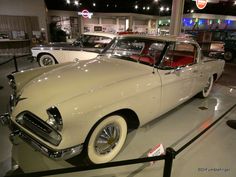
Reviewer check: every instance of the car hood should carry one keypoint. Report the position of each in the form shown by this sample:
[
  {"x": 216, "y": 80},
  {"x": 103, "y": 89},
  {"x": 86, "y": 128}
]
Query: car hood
[{"x": 67, "y": 82}]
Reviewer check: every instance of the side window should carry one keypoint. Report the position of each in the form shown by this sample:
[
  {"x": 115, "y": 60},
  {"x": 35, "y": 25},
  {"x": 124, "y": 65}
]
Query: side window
[
  {"x": 101, "y": 42},
  {"x": 128, "y": 47},
  {"x": 155, "y": 50},
  {"x": 179, "y": 55},
  {"x": 150, "y": 53},
  {"x": 91, "y": 41}
]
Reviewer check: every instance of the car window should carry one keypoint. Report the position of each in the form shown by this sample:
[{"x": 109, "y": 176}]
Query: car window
[
  {"x": 179, "y": 55},
  {"x": 145, "y": 51},
  {"x": 155, "y": 50},
  {"x": 127, "y": 47},
  {"x": 92, "y": 41}
]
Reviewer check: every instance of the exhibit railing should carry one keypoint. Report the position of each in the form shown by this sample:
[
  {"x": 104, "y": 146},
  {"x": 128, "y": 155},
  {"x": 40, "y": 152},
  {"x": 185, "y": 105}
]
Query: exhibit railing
[
  {"x": 14, "y": 59},
  {"x": 168, "y": 157}
]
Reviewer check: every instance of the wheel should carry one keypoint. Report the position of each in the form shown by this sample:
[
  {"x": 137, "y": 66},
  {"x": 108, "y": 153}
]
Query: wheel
[
  {"x": 228, "y": 55},
  {"x": 107, "y": 139},
  {"x": 46, "y": 60},
  {"x": 207, "y": 89}
]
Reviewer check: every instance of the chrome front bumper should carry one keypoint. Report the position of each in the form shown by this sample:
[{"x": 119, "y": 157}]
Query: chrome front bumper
[
  {"x": 47, "y": 151},
  {"x": 53, "y": 154}
]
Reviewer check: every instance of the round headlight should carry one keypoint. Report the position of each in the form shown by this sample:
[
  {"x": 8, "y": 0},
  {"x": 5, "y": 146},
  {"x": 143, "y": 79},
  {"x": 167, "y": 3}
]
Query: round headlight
[
  {"x": 52, "y": 122},
  {"x": 54, "y": 118}
]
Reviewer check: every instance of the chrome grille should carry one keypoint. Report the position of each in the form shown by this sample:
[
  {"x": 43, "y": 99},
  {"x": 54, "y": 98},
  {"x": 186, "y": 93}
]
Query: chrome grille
[
  {"x": 38, "y": 127},
  {"x": 32, "y": 123}
]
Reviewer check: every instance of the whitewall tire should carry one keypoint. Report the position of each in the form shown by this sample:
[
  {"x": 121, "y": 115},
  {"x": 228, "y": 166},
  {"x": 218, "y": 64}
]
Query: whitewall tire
[
  {"x": 207, "y": 89},
  {"x": 107, "y": 139},
  {"x": 46, "y": 60}
]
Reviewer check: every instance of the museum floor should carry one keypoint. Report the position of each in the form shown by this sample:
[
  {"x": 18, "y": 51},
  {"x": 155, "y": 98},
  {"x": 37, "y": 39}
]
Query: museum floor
[{"x": 212, "y": 155}]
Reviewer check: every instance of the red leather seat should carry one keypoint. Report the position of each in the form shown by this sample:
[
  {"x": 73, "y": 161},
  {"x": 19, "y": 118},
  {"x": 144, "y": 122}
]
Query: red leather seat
[
  {"x": 182, "y": 61},
  {"x": 146, "y": 59}
]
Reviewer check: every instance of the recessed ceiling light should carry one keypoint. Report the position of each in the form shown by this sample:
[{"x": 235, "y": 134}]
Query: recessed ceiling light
[{"x": 76, "y": 3}]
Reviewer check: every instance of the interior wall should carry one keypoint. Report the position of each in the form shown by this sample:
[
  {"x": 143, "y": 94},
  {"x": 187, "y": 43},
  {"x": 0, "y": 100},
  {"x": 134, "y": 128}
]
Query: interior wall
[
  {"x": 26, "y": 8},
  {"x": 19, "y": 23}
]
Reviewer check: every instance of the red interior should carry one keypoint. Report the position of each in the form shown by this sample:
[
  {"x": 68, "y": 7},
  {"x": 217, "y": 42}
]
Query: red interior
[
  {"x": 145, "y": 59},
  {"x": 180, "y": 59}
]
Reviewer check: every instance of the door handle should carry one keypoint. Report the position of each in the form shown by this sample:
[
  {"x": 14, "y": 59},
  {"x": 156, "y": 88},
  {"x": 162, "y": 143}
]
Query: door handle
[
  {"x": 176, "y": 70},
  {"x": 168, "y": 73}
]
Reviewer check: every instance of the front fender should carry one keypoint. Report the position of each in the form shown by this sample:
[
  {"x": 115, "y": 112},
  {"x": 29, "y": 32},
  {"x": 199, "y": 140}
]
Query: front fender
[{"x": 81, "y": 113}]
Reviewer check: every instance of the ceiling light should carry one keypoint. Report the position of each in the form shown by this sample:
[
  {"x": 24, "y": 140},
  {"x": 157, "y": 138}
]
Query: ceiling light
[
  {"x": 192, "y": 11},
  {"x": 167, "y": 9},
  {"x": 144, "y": 8},
  {"x": 136, "y": 6},
  {"x": 76, "y": 3},
  {"x": 161, "y": 8},
  {"x": 148, "y": 8},
  {"x": 94, "y": 4},
  {"x": 155, "y": 0},
  {"x": 68, "y": 1}
]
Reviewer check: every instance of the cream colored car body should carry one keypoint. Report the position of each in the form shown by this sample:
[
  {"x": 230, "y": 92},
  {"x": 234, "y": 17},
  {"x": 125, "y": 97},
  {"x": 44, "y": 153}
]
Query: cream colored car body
[{"x": 86, "y": 91}]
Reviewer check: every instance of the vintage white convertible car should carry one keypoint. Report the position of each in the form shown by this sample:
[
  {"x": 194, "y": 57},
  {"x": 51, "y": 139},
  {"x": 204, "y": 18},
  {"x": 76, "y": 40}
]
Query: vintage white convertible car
[
  {"x": 86, "y": 47},
  {"x": 88, "y": 106}
]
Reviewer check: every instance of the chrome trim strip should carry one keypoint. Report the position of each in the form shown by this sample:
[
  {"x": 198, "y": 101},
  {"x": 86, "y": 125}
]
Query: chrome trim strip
[{"x": 95, "y": 50}]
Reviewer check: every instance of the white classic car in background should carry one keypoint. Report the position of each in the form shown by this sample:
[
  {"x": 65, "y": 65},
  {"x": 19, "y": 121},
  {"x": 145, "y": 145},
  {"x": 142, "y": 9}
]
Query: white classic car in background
[
  {"x": 88, "y": 106},
  {"x": 86, "y": 47}
]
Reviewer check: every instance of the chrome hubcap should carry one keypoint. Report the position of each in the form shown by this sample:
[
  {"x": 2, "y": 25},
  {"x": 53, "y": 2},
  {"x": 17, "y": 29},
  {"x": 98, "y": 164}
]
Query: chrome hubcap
[
  {"x": 228, "y": 55},
  {"x": 47, "y": 61},
  {"x": 107, "y": 139}
]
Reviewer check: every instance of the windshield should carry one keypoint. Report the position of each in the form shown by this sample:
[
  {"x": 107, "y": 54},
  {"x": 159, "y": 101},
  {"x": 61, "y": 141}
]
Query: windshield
[
  {"x": 143, "y": 50},
  {"x": 92, "y": 41}
]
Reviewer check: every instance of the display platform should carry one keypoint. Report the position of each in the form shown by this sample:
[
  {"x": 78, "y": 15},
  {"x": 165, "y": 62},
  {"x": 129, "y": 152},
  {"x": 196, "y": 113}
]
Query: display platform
[{"x": 211, "y": 155}]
